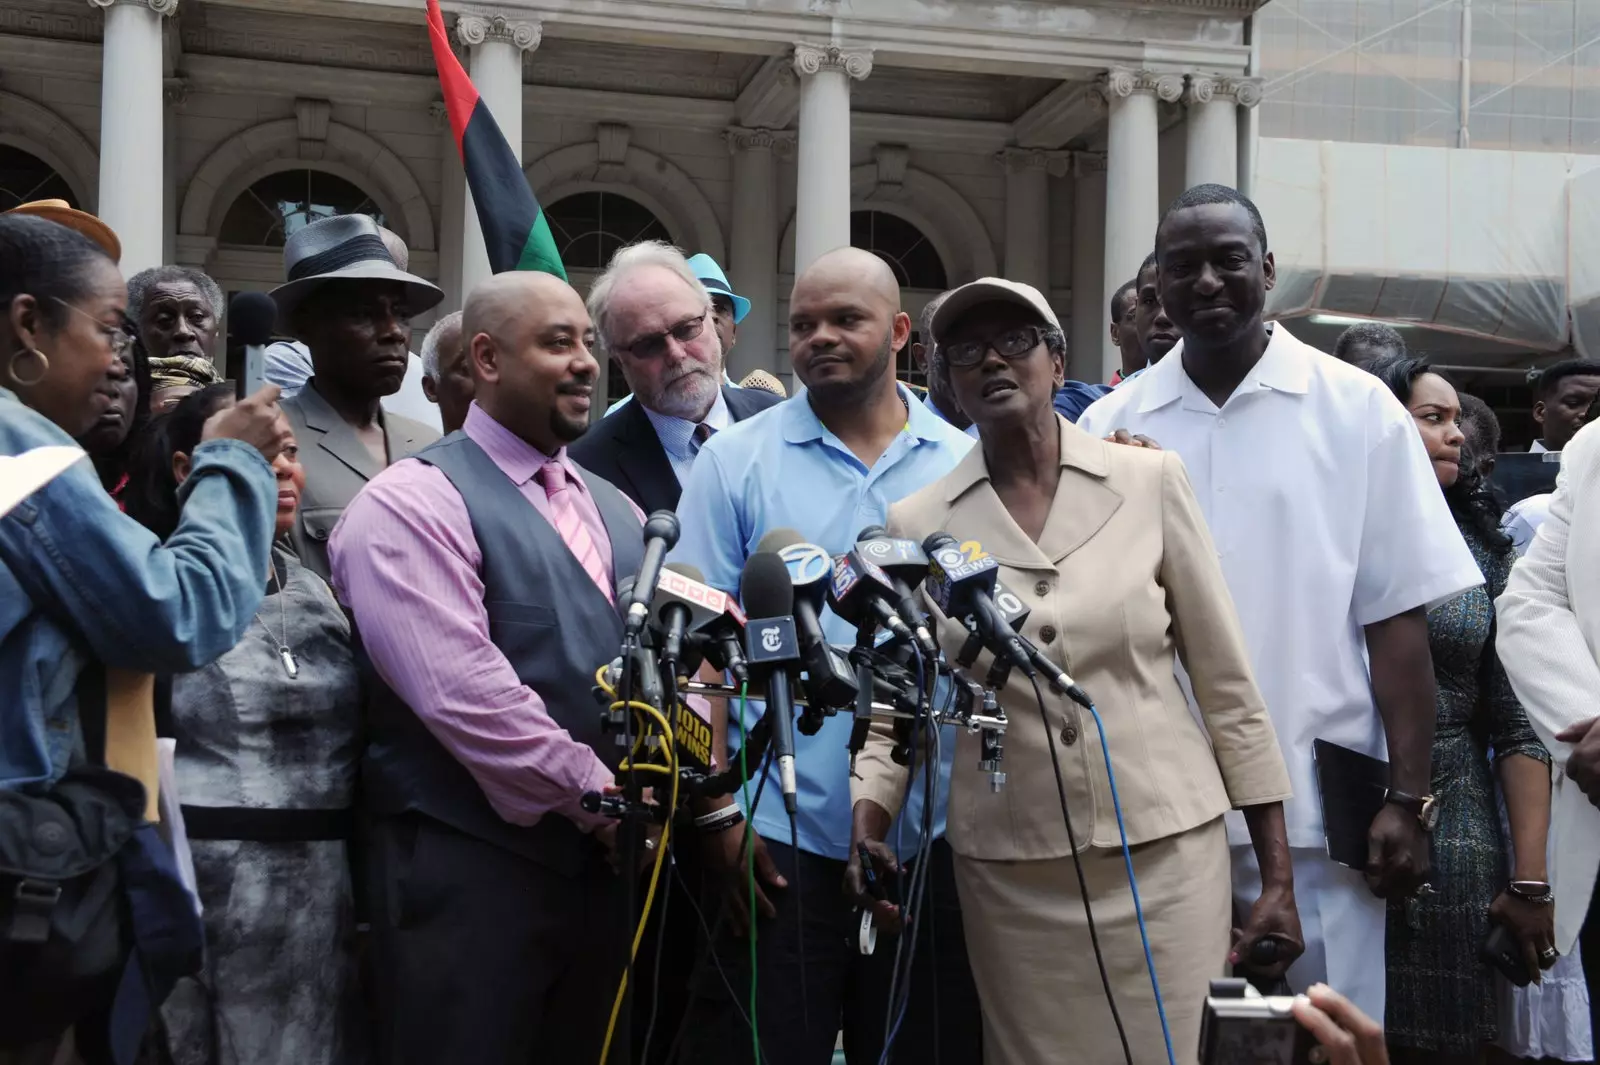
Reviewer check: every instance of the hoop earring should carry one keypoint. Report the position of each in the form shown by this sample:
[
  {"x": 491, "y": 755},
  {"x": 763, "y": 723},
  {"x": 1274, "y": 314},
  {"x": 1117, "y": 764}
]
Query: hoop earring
[{"x": 11, "y": 368}]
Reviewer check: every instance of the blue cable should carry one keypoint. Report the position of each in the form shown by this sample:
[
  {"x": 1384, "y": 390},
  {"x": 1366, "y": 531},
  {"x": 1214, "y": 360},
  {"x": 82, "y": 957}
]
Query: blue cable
[{"x": 1133, "y": 884}]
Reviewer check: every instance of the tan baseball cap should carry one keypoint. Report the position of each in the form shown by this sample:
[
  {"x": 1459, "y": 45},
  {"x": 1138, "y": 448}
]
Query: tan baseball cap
[{"x": 990, "y": 290}]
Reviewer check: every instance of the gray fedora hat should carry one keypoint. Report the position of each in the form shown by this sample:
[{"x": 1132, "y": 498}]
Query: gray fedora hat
[{"x": 346, "y": 247}]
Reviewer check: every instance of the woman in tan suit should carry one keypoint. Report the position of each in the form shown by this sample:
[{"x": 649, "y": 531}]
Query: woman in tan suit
[{"x": 1107, "y": 546}]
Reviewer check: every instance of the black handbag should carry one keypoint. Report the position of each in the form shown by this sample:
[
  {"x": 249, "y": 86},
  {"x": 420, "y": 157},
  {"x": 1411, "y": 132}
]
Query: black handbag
[
  {"x": 65, "y": 936},
  {"x": 96, "y": 925}
]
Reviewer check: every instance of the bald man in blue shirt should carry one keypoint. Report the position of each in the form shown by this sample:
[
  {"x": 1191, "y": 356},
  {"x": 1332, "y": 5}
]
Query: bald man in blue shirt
[{"x": 827, "y": 463}]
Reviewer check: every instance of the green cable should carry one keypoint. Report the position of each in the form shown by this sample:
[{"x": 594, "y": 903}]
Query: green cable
[{"x": 750, "y": 859}]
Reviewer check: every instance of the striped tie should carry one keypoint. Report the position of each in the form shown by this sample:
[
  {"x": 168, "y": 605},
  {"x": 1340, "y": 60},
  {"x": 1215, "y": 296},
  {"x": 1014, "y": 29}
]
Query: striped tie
[{"x": 564, "y": 516}]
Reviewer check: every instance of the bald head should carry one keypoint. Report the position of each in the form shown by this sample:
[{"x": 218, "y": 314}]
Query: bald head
[
  {"x": 504, "y": 304},
  {"x": 845, "y": 328},
  {"x": 527, "y": 338},
  {"x": 853, "y": 266}
]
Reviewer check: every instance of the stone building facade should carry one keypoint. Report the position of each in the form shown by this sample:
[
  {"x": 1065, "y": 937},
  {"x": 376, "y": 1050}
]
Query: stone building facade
[{"x": 957, "y": 137}]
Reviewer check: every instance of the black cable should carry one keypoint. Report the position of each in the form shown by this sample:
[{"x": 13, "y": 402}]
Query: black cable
[
  {"x": 900, "y": 980},
  {"x": 716, "y": 962},
  {"x": 669, "y": 678},
  {"x": 799, "y": 926},
  {"x": 655, "y": 977},
  {"x": 1077, "y": 864},
  {"x": 630, "y": 844},
  {"x": 722, "y": 910}
]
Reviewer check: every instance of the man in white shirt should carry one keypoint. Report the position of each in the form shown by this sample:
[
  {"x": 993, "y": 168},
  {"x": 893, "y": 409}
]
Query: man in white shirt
[
  {"x": 1548, "y": 639},
  {"x": 1334, "y": 538}
]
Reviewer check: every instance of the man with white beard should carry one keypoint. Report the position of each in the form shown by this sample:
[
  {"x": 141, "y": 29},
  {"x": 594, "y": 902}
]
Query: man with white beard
[{"x": 655, "y": 318}]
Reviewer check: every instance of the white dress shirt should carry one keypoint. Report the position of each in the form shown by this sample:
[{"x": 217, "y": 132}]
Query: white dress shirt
[
  {"x": 1327, "y": 516},
  {"x": 677, "y": 435}
]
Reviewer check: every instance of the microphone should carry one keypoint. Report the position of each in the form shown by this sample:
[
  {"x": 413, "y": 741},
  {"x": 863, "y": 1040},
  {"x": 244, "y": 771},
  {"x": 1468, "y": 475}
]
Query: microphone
[
  {"x": 1012, "y": 608},
  {"x": 251, "y": 317},
  {"x": 660, "y": 534},
  {"x": 774, "y": 654},
  {"x": 861, "y": 593},
  {"x": 962, "y": 581},
  {"x": 907, "y": 566},
  {"x": 829, "y": 683},
  {"x": 722, "y": 641},
  {"x": 683, "y": 603}
]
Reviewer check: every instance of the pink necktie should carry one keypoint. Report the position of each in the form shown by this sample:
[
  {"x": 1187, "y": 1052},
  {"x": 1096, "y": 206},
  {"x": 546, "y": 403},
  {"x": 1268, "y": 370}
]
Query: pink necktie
[{"x": 564, "y": 516}]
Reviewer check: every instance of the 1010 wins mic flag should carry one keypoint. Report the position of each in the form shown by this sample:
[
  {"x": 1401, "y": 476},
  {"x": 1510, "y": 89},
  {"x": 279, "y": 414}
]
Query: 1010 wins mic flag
[{"x": 515, "y": 231}]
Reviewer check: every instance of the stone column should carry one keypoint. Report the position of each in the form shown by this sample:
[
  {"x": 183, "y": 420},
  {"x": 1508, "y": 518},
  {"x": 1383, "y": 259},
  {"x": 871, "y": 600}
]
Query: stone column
[
  {"x": 753, "y": 252},
  {"x": 1132, "y": 172},
  {"x": 132, "y": 180},
  {"x": 822, "y": 191},
  {"x": 496, "y": 46},
  {"x": 1213, "y": 137},
  {"x": 1028, "y": 173},
  {"x": 1091, "y": 354}
]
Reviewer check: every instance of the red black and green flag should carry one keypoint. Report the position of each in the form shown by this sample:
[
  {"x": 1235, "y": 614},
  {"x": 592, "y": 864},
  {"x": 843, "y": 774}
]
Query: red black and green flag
[{"x": 514, "y": 228}]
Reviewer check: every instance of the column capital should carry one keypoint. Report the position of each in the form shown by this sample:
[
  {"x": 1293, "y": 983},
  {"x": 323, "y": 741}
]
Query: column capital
[
  {"x": 1018, "y": 160},
  {"x": 473, "y": 29},
  {"x": 778, "y": 141},
  {"x": 1204, "y": 88},
  {"x": 1123, "y": 82},
  {"x": 160, "y": 7},
  {"x": 813, "y": 58},
  {"x": 1085, "y": 164}
]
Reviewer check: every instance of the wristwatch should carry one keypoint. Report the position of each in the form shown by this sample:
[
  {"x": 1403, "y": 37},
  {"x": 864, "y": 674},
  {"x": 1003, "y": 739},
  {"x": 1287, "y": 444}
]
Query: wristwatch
[{"x": 1424, "y": 806}]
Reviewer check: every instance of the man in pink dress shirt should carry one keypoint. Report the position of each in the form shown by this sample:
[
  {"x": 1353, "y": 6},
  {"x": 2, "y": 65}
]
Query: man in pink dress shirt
[{"x": 482, "y": 575}]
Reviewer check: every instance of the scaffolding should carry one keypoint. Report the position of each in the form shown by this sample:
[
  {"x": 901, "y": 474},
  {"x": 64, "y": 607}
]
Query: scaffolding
[{"x": 1521, "y": 75}]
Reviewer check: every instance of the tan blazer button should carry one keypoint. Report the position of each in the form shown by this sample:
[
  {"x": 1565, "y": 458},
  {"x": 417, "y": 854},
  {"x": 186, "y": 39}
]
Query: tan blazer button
[
  {"x": 1042, "y": 588},
  {"x": 1069, "y": 735},
  {"x": 1047, "y": 634}
]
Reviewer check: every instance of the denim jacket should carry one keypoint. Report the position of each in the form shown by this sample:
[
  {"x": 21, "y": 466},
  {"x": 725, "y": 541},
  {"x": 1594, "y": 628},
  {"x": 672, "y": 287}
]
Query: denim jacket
[{"x": 81, "y": 582}]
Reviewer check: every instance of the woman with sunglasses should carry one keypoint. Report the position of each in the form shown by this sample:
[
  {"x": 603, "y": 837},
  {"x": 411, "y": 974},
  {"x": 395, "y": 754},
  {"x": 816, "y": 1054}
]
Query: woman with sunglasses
[
  {"x": 1106, "y": 547},
  {"x": 83, "y": 588}
]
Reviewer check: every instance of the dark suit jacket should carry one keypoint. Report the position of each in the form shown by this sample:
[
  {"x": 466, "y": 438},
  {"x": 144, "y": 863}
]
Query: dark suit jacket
[
  {"x": 623, "y": 448},
  {"x": 337, "y": 466}
]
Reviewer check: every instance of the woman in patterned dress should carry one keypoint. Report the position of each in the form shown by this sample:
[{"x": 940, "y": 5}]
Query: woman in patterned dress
[
  {"x": 1441, "y": 1000},
  {"x": 266, "y": 761}
]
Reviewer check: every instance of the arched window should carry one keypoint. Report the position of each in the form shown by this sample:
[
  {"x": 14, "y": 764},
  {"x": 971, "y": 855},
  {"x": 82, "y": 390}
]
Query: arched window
[
  {"x": 589, "y": 227},
  {"x": 281, "y": 203},
  {"x": 25, "y": 177},
  {"x": 915, "y": 261}
]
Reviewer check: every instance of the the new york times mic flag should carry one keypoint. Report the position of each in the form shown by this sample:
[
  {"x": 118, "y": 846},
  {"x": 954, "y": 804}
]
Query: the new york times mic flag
[{"x": 514, "y": 227}]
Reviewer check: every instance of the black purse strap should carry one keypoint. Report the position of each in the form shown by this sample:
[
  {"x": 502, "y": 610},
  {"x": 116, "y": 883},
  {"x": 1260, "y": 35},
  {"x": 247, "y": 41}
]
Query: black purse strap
[{"x": 91, "y": 691}]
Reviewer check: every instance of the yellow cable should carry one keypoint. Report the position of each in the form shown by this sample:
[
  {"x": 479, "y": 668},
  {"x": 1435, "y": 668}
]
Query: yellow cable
[{"x": 650, "y": 893}]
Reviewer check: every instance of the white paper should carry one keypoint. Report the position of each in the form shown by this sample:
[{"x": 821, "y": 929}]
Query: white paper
[
  {"x": 172, "y": 816},
  {"x": 24, "y": 474}
]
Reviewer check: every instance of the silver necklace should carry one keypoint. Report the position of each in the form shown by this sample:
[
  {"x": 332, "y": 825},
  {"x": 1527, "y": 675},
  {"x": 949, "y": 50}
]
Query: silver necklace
[{"x": 286, "y": 656}]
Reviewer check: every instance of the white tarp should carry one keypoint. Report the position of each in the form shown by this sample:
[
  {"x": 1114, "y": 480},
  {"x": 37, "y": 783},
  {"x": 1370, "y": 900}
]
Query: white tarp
[
  {"x": 1583, "y": 285},
  {"x": 1470, "y": 242}
]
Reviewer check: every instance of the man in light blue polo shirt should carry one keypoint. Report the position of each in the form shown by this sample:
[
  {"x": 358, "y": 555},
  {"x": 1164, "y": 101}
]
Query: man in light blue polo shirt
[{"x": 827, "y": 463}]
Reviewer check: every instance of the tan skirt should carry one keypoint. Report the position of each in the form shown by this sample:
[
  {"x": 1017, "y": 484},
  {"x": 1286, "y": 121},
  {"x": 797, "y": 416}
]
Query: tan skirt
[{"x": 1034, "y": 966}]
